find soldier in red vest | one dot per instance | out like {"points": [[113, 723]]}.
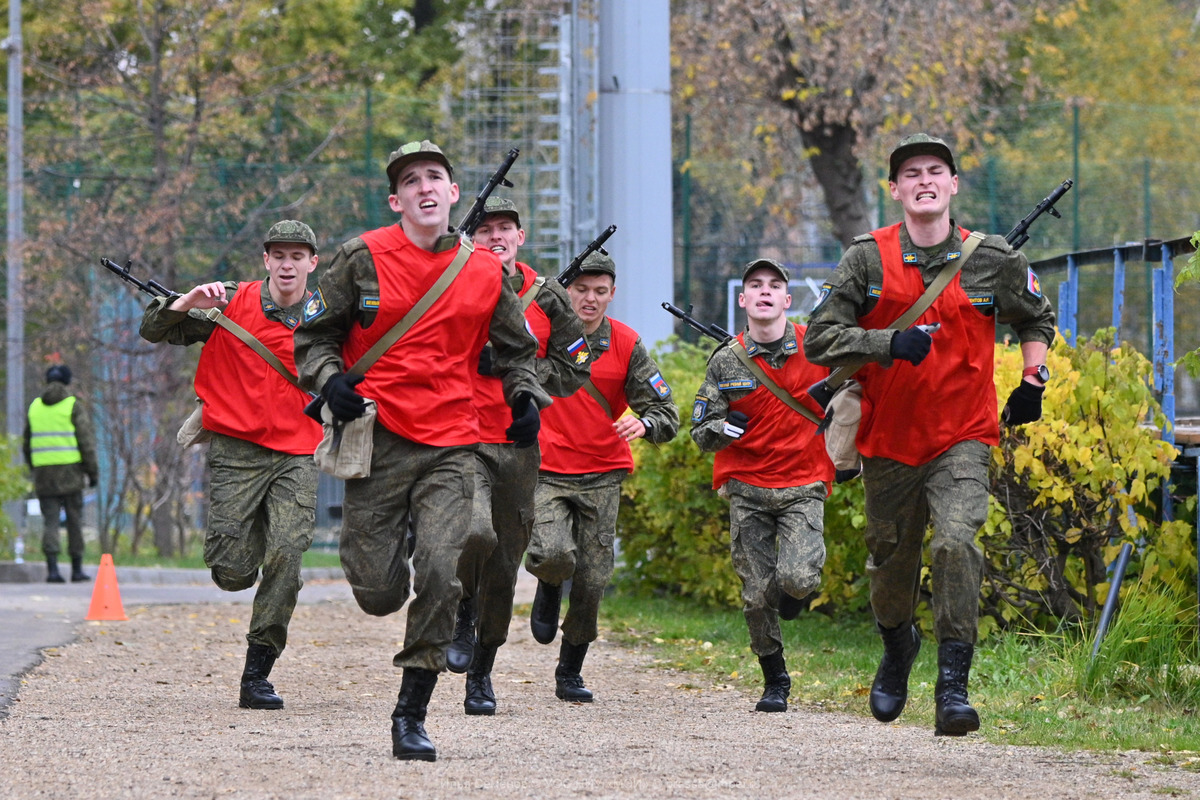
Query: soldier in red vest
{"points": [[427, 429], [929, 413], [263, 482], [770, 463], [585, 457], [505, 474]]}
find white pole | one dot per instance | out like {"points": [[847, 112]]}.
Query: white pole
{"points": [[15, 318]]}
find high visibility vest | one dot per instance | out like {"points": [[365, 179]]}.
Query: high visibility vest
{"points": [[52, 434]]}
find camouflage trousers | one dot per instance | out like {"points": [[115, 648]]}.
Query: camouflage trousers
{"points": [[429, 488], [262, 507], [53, 506], [776, 539], [501, 524], [573, 538], [951, 491]]}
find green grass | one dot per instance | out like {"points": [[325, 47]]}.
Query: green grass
{"points": [[1029, 689], [317, 556]]}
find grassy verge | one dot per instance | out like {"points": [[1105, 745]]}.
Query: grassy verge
{"points": [[1030, 690], [192, 559]]}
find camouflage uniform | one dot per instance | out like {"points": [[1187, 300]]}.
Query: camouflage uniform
{"points": [[431, 485], [60, 487], [262, 503], [577, 513], [950, 490], [506, 476], [776, 535]]}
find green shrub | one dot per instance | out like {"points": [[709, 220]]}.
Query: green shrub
{"points": [[14, 485], [1072, 487]]}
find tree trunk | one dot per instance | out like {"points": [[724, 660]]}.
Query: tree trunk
{"points": [[838, 171]]}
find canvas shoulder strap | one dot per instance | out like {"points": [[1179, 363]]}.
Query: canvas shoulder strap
{"points": [[791, 402], [591, 389], [528, 298], [415, 313]]}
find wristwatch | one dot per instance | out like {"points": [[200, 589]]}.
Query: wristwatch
{"points": [[1040, 372]]}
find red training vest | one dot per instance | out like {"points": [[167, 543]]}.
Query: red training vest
{"points": [[780, 448], [494, 414], [912, 414], [577, 437], [243, 395], [422, 384]]}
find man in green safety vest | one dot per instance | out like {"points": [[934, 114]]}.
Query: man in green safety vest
{"points": [[60, 447]]}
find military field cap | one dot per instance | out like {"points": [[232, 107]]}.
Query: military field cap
{"points": [[766, 263], [501, 206], [919, 144], [600, 264], [291, 230], [423, 150], [60, 373]]}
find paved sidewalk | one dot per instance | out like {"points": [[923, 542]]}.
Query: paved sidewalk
{"points": [[35, 615]]}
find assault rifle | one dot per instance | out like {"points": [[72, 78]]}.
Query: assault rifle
{"points": [[150, 287], [576, 266], [1018, 236], [823, 391], [713, 331], [475, 213]]}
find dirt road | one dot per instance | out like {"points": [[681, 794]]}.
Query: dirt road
{"points": [[147, 708]]}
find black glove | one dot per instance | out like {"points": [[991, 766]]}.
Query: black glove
{"points": [[1024, 404], [736, 424], [526, 421], [485, 361], [344, 403], [844, 475], [91, 481], [911, 345]]}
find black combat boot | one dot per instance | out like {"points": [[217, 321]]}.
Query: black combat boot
{"points": [[77, 573], [955, 717], [257, 691], [889, 692], [52, 573], [409, 740], [790, 607], [543, 618], [481, 699], [776, 683], [568, 683], [462, 647]]}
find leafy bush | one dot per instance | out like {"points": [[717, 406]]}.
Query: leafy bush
{"points": [[1071, 488], [14, 485]]}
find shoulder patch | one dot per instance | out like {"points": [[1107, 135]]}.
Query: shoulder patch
{"points": [[698, 409], [578, 350], [1032, 284], [659, 384], [315, 306], [369, 303], [737, 384], [875, 291]]}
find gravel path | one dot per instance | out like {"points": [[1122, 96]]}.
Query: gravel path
{"points": [[148, 709]]}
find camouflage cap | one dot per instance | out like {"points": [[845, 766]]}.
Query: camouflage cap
{"points": [[59, 373], [423, 150], [919, 144], [501, 206], [600, 264], [291, 230], [766, 263]]}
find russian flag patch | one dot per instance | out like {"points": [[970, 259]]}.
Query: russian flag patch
{"points": [[659, 385]]}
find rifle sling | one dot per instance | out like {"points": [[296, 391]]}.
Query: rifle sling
{"points": [[951, 268], [791, 402], [225, 322], [591, 389], [415, 313]]}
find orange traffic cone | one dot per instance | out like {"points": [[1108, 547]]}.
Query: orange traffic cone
{"points": [[106, 596]]}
